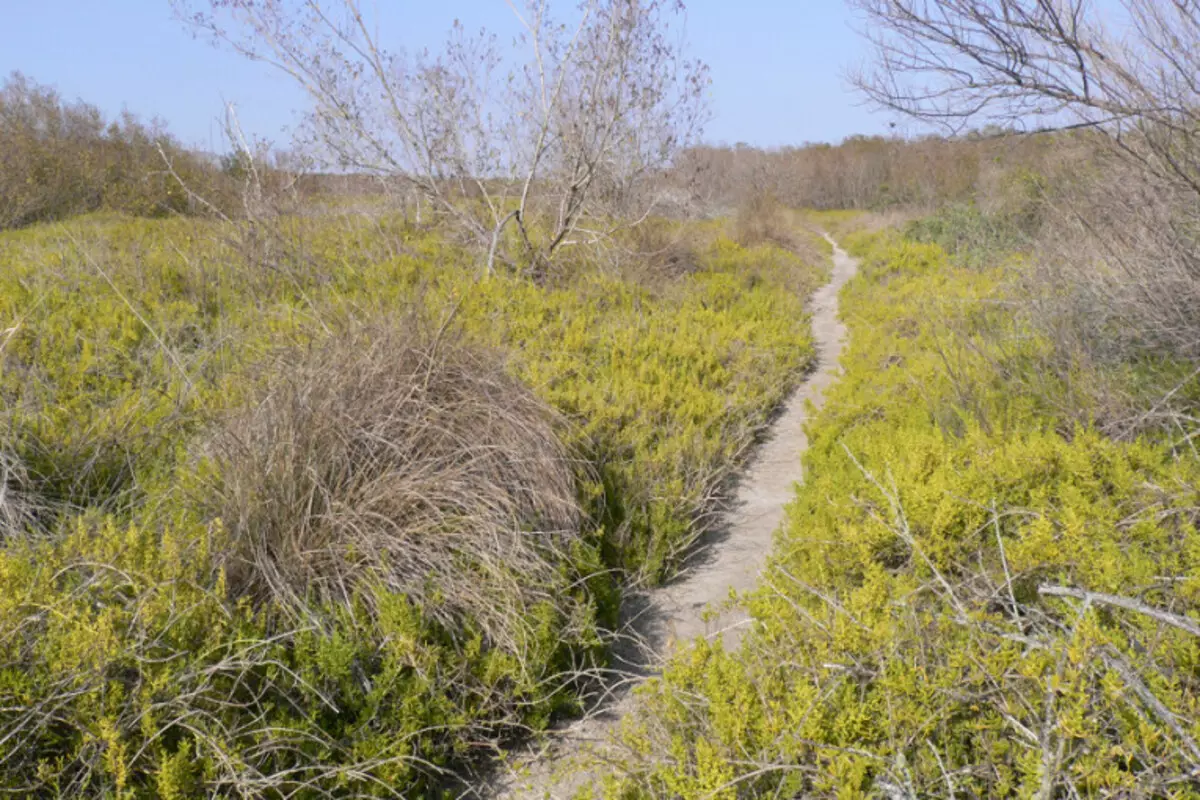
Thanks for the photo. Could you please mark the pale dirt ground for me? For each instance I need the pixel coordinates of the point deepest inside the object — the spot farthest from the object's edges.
(729, 561)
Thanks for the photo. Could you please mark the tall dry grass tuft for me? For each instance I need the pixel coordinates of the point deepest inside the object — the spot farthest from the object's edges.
(761, 219)
(390, 459)
(655, 254)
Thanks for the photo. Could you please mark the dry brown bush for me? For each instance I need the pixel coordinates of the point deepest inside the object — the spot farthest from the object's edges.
(1114, 281)
(388, 458)
(762, 219)
(1126, 244)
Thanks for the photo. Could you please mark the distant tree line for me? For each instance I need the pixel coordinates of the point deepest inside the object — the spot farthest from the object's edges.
(872, 172)
(60, 158)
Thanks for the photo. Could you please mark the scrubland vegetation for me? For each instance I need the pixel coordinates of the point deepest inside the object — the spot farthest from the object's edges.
(342, 518)
(873, 173)
(332, 485)
(975, 592)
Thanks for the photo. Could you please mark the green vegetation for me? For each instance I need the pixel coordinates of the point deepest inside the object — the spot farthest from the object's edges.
(332, 485)
(976, 594)
(317, 509)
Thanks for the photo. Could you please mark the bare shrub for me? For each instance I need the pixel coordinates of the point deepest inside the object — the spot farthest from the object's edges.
(1113, 281)
(386, 459)
(1126, 73)
(1124, 243)
(656, 254)
(561, 137)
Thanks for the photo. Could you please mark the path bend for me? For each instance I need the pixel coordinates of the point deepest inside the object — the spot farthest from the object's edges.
(730, 559)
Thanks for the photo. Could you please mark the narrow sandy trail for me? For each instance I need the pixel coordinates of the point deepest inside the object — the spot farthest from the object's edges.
(729, 560)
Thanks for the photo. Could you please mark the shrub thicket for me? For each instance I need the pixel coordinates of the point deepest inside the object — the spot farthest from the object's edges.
(58, 159)
(875, 172)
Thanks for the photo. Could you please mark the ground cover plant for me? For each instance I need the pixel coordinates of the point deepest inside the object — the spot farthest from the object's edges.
(320, 509)
(975, 594)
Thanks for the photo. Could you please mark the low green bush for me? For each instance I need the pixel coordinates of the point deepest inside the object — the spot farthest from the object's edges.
(971, 236)
(129, 668)
(982, 236)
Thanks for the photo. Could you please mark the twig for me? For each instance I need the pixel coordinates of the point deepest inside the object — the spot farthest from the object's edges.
(1166, 617)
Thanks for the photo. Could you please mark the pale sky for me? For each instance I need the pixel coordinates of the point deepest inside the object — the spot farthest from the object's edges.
(777, 65)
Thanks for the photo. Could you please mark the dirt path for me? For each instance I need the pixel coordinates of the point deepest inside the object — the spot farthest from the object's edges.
(730, 559)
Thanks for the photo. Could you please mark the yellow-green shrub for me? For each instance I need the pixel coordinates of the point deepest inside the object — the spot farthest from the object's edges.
(127, 670)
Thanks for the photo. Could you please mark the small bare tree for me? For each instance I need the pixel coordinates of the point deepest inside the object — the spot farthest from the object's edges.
(562, 136)
(1053, 63)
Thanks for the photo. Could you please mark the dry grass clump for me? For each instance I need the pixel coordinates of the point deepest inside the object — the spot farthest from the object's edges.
(390, 460)
(762, 219)
(17, 509)
(656, 254)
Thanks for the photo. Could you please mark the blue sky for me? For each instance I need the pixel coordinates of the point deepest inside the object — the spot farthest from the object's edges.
(777, 65)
